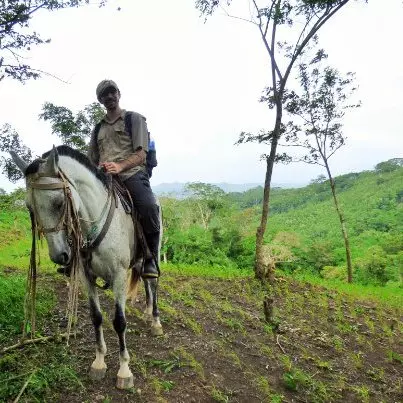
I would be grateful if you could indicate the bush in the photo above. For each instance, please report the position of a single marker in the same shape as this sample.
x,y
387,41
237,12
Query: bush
x,y
374,268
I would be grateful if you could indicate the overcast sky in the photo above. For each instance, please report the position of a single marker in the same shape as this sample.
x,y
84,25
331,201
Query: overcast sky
x,y
199,83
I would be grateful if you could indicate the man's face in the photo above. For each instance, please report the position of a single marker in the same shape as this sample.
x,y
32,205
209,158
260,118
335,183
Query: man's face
x,y
110,98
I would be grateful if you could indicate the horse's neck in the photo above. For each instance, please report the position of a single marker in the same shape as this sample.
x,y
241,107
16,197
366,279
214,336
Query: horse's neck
x,y
90,189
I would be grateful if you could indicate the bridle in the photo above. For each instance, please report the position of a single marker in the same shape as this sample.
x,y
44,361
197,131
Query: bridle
x,y
69,210
69,219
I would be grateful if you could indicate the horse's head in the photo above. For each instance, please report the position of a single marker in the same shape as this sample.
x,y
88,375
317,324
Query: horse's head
x,y
50,197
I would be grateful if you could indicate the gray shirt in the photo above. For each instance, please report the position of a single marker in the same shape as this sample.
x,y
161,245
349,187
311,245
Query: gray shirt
x,y
114,144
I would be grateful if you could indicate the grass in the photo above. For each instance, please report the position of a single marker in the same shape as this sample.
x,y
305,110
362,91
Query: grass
x,y
205,271
42,371
12,294
389,295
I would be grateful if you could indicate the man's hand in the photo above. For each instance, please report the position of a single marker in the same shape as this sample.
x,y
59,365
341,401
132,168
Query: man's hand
x,y
112,167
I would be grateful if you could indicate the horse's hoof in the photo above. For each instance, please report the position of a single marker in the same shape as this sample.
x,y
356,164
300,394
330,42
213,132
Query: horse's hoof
x,y
97,373
156,331
125,383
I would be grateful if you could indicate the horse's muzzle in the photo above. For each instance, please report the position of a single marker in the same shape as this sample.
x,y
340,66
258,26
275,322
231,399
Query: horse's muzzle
x,y
62,258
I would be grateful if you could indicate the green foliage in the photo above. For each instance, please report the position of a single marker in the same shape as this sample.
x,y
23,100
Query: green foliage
x,y
16,37
375,268
10,141
12,294
73,130
42,370
390,165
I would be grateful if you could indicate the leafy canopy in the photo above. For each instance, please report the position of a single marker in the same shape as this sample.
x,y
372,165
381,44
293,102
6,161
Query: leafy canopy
x,y
16,36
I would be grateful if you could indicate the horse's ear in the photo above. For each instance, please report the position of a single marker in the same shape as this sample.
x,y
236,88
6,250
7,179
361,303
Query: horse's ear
x,y
52,162
21,164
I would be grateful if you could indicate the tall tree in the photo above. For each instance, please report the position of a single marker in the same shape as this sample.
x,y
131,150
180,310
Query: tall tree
x,y
16,36
73,129
316,125
207,197
297,19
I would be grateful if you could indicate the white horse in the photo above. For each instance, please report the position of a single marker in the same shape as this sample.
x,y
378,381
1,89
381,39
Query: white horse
x,y
66,177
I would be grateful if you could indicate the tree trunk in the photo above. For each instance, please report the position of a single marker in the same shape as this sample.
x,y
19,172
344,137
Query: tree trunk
x,y
261,272
343,227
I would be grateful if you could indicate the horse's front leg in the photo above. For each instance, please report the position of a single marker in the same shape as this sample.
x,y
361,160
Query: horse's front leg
x,y
151,311
125,376
98,367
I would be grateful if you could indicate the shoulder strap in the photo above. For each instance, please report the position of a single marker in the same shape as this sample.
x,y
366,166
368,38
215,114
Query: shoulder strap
x,y
128,123
96,130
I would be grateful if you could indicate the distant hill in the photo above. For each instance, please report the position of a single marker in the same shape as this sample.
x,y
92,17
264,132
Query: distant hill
x,y
176,189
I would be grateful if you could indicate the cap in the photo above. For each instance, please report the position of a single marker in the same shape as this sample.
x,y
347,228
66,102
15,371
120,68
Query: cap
x,y
103,85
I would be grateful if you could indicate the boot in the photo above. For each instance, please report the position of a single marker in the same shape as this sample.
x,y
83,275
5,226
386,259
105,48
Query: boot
x,y
151,264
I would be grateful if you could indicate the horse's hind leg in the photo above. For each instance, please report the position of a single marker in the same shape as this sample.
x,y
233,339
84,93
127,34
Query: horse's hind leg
x,y
125,376
98,367
148,312
151,285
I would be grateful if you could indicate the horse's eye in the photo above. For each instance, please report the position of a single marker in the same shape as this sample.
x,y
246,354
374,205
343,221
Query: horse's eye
x,y
58,204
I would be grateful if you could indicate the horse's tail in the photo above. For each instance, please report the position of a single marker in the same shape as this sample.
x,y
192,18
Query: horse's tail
x,y
133,284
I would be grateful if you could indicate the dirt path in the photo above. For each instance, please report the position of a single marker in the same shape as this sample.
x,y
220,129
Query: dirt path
x,y
322,347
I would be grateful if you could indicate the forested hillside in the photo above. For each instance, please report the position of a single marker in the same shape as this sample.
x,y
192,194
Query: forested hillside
x,y
303,232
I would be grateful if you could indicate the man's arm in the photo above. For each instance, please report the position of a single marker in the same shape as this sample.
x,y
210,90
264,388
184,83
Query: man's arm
x,y
136,159
93,153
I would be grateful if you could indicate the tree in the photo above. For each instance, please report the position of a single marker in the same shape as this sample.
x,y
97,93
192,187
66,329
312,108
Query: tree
x,y
389,165
316,124
208,199
73,130
10,140
16,37
279,17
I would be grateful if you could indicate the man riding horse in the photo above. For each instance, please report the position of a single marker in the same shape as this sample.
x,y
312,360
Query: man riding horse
x,y
124,154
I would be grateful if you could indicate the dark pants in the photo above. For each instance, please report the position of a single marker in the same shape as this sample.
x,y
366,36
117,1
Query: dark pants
x,y
146,205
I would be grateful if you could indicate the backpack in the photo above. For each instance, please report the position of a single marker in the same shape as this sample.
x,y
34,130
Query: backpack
x,y
151,160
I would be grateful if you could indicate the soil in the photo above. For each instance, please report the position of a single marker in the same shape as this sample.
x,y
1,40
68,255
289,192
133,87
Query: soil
x,y
320,346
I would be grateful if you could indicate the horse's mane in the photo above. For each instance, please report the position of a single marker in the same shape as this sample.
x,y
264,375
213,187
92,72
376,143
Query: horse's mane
x,y
67,151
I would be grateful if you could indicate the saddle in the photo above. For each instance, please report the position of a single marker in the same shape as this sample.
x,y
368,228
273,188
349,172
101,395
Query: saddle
x,y
121,191
141,249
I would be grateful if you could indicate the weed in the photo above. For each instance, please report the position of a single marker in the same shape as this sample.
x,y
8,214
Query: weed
x,y
376,374
167,309
161,385
206,296
193,325
234,324
362,392
263,385
393,356
286,361
139,364
190,361
276,398
226,307
232,355
267,351
167,365
370,324
218,396
324,365
298,380
357,359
